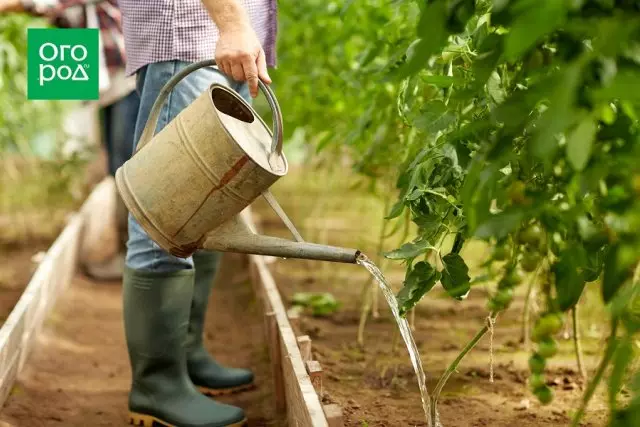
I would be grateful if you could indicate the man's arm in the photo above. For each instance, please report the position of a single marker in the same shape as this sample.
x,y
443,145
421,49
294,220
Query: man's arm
x,y
33,7
238,52
9,6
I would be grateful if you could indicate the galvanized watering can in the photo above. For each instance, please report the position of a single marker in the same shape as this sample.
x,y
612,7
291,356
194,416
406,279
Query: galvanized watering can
x,y
187,184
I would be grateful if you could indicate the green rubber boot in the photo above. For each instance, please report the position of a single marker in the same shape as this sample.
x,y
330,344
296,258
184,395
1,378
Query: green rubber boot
x,y
209,376
156,315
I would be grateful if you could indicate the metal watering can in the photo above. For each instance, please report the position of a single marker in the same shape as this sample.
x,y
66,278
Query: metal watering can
x,y
187,187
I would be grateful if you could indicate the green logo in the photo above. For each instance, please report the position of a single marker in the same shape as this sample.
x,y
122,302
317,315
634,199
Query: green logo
x,y
62,63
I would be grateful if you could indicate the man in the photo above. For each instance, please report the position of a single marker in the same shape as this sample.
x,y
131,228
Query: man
x,y
165,297
118,99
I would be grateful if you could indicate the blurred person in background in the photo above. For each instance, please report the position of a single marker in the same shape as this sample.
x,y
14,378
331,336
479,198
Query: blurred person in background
x,y
118,102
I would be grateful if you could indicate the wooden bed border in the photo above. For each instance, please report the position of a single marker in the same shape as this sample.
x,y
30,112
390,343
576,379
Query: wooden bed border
x,y
51,278
297,377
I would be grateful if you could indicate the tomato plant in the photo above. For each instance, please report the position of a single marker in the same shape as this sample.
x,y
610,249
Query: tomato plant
x,y
509,121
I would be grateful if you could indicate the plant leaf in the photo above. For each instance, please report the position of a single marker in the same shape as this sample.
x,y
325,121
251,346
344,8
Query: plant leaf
x,y
621,359
568,271
431,37
532,24
499,225
559,115
434,116
617,264
418,282
455,276
409,250
580,143
396,210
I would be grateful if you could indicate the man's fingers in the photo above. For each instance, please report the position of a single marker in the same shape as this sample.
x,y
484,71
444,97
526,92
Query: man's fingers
x,y
262,68
224,66
251,74
237,72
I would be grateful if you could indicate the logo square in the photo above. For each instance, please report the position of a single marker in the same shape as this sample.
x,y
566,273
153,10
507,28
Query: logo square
x,y
62,64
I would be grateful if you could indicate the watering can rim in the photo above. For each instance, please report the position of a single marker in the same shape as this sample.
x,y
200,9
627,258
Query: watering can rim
x,y
150,126
280,172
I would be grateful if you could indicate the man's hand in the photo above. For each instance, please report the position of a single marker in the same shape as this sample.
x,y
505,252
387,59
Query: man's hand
x,y
240,55
238,51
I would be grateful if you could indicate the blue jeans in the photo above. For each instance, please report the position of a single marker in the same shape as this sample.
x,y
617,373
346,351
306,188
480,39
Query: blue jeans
x,y
118,127
143,253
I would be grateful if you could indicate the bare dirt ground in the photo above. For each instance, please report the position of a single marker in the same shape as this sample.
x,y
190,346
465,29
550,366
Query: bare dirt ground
x,y
376,385
78,373
16,268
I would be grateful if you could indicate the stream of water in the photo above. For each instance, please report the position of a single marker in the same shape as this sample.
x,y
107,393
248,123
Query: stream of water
x,y
407,336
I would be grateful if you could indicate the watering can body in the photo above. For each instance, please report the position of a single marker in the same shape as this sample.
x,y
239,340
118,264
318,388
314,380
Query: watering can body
x,y
187,184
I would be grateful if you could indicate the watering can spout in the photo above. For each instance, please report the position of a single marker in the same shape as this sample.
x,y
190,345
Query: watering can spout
x,y
236,235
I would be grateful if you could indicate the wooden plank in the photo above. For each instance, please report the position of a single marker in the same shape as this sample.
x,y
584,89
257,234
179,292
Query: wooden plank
x,y
294,319
333,413
11,345
276,361
17,334
304,344
9,377
315,373
303,405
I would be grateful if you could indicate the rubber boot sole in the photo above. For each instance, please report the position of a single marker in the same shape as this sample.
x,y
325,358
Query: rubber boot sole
x,y
213,392
151,421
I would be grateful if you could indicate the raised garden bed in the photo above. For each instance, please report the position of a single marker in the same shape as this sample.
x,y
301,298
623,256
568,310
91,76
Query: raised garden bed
x,y
297,377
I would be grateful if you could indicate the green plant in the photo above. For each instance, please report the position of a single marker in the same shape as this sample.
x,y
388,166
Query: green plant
x,y
39,180
512,121
22,120
320,304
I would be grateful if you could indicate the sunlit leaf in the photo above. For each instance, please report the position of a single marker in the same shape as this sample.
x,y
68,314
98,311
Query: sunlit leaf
x,y
580,143
409,250
535,20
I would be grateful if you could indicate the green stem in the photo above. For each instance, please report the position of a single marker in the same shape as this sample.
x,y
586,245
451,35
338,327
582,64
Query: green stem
x,y
526,315
576,342
369,293
454,365
588,394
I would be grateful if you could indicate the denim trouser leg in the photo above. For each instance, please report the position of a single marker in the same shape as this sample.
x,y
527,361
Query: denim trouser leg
x,y
118,127
143,253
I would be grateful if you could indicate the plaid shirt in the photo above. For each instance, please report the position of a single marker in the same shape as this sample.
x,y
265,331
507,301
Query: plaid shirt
x,y
165,30
73,14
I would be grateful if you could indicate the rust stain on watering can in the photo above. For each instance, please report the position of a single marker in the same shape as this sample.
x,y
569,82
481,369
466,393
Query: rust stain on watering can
x,y
226,178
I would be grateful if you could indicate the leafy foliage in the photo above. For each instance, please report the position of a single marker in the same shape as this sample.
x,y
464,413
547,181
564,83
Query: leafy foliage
x,y
320,304
509,121
21,119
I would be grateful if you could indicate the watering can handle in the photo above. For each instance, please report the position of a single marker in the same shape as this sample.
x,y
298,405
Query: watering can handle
x,y
152,121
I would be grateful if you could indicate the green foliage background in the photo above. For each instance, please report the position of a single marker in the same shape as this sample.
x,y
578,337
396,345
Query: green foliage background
x,y
21,120
36,179
509,121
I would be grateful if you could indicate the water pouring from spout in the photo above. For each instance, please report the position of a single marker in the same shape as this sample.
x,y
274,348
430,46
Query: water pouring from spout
x,y
407,336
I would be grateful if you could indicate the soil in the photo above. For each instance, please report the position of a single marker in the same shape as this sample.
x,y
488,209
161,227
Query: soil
x,y
376,386
78,373
16,268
